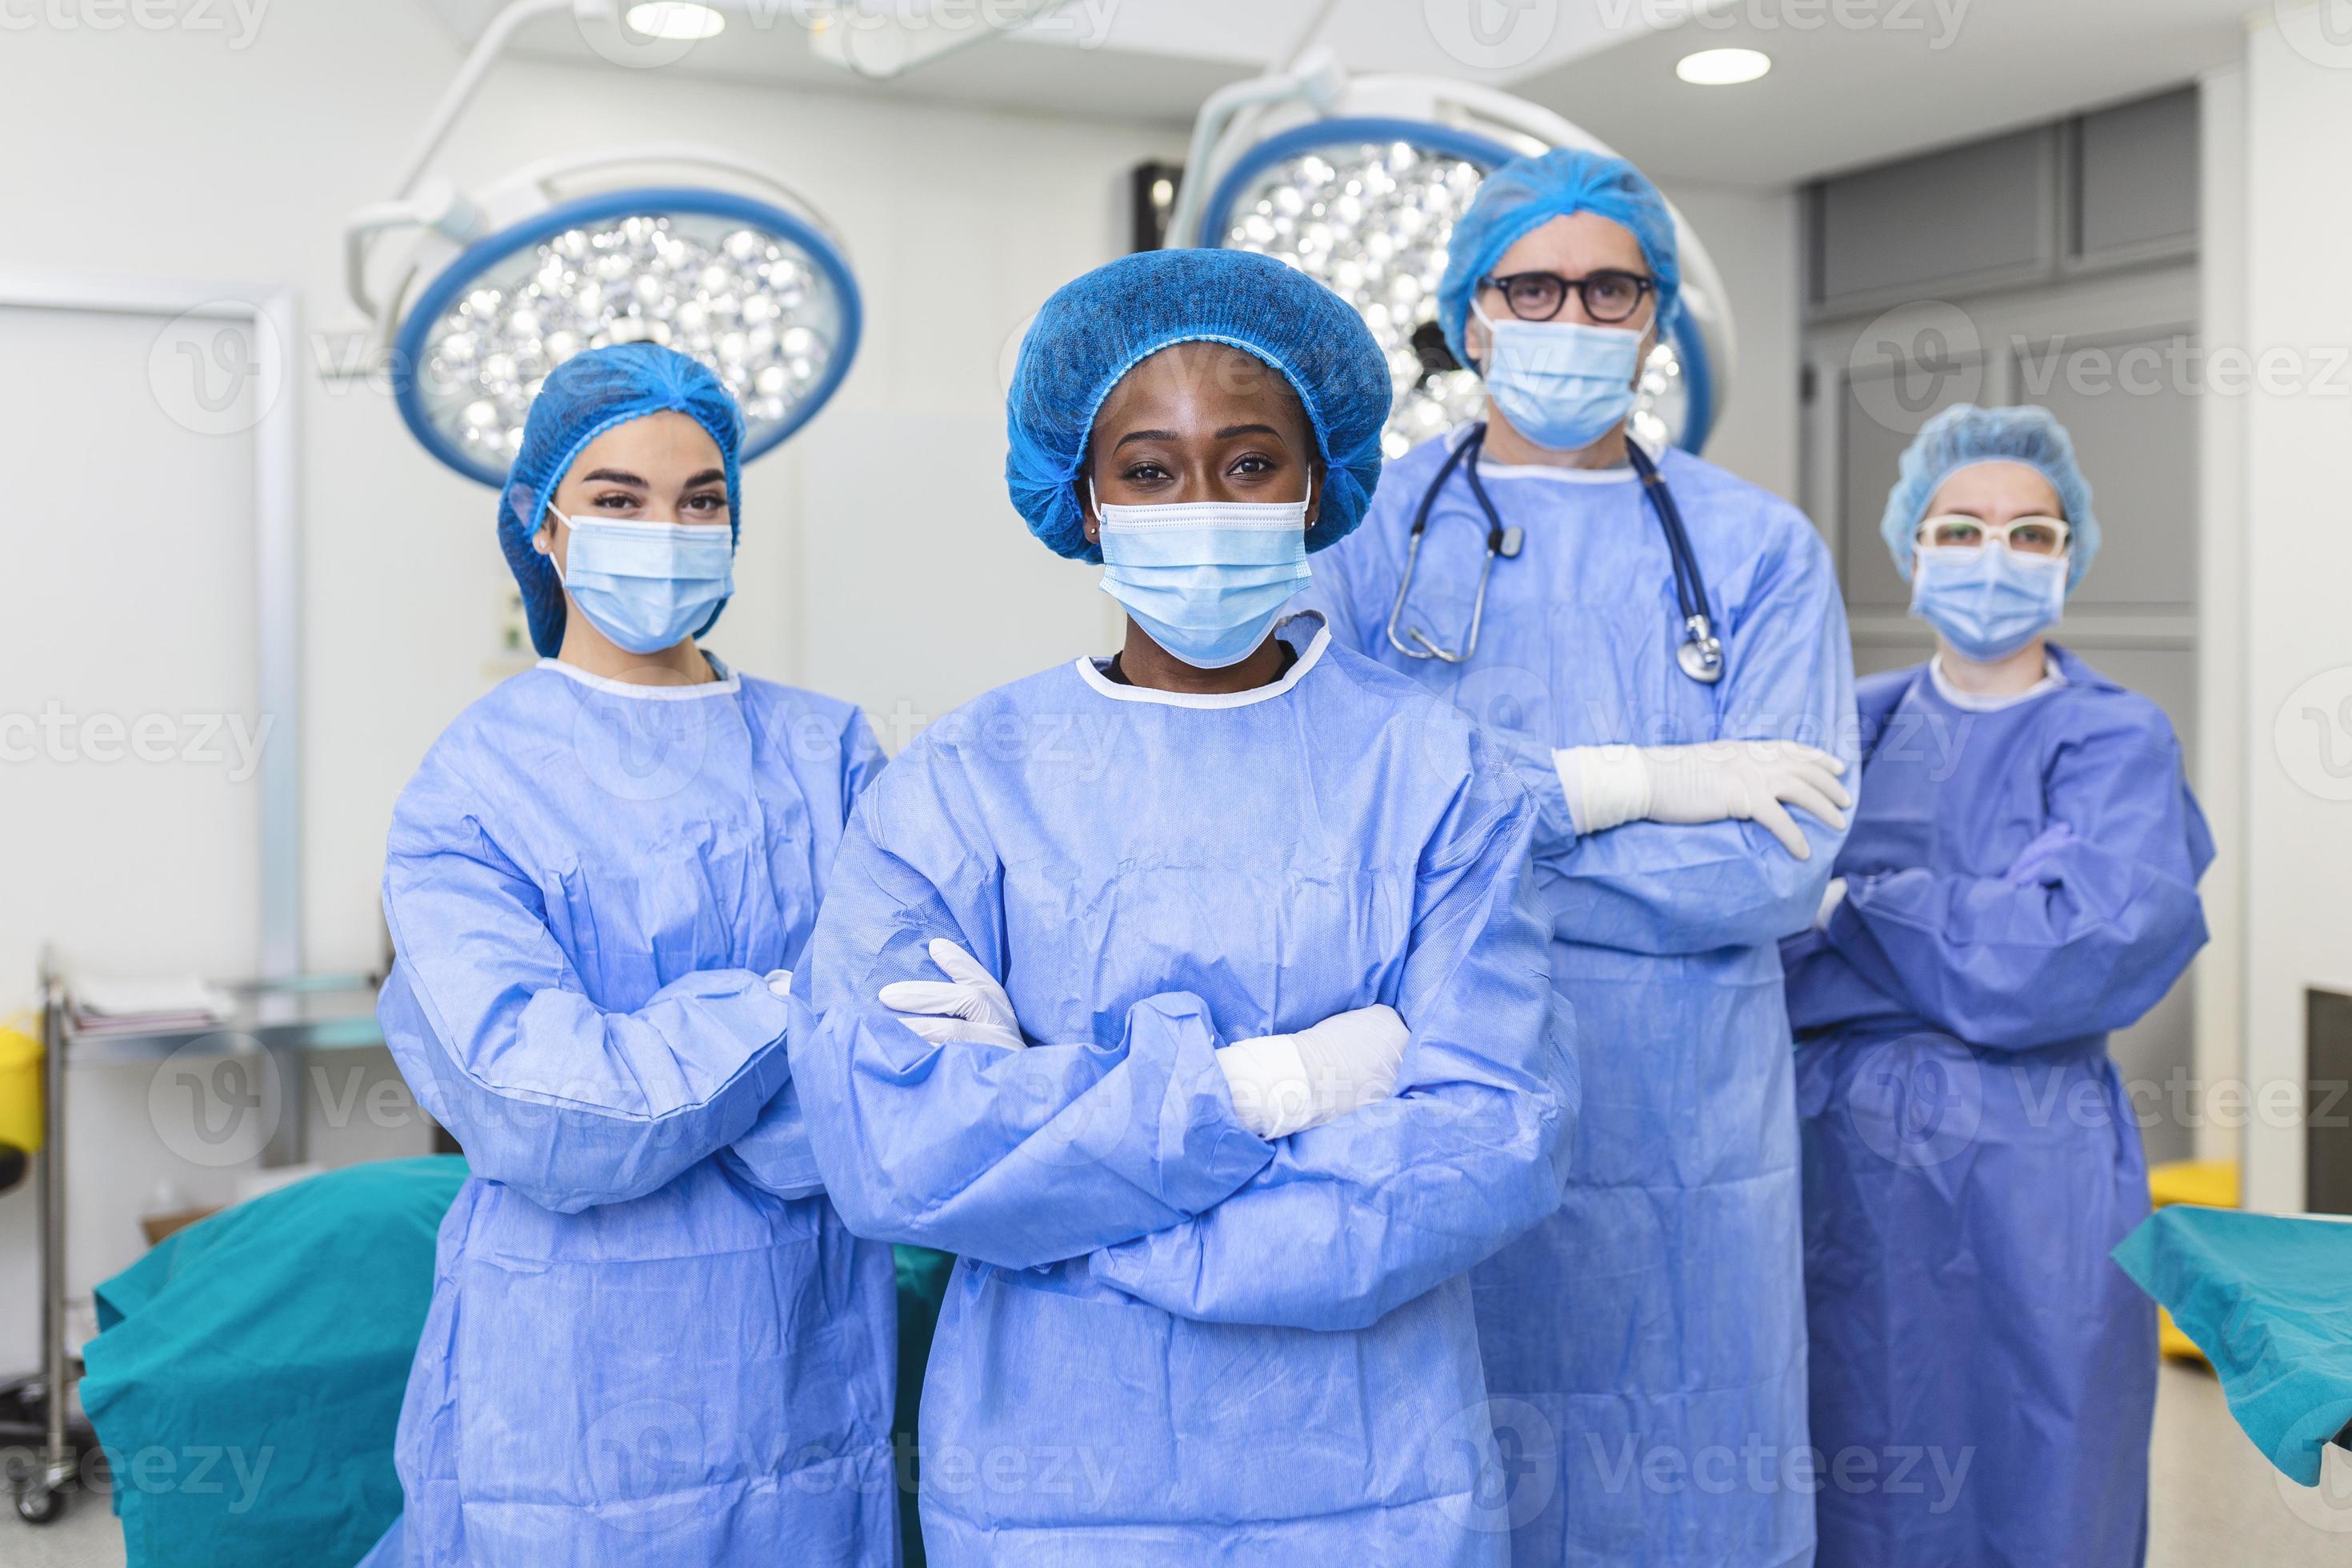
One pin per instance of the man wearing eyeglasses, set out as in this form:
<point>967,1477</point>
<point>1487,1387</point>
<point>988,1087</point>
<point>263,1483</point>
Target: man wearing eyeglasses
<point>1662,648</point>
<point>2020,880</point>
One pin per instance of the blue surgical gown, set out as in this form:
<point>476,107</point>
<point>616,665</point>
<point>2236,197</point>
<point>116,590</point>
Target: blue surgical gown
<point>639,1351</point>
<point>1166,1340</point>
<point>2017,883</point>
<point>1645,1346</point>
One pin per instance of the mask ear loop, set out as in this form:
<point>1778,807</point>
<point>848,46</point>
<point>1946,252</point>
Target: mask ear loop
<point>1485,320</point>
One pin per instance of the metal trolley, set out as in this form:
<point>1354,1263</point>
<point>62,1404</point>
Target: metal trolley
<point>282,1019</point>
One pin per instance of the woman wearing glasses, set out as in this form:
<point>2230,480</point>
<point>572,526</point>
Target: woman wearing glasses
<point>2022,879</point>
<point>1660,648</point>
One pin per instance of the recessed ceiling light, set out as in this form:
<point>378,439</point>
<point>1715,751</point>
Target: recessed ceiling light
<point>1723,67</point>
<point>677,19</point>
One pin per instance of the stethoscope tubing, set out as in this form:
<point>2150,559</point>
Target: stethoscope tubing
<point>1701,656</point>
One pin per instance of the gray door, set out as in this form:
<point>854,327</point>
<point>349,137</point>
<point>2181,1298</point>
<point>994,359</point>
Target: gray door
<point>2071,284</point>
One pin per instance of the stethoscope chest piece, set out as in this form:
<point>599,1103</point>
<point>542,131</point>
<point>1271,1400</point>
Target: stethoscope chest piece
<point>1701,658</point>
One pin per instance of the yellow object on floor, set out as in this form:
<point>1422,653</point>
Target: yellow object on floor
<point>20,1084</point>
<point>2209,1183</point>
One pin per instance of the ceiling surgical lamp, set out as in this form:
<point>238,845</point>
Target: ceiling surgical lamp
<point>1358,182</point>
<point>671,243</point>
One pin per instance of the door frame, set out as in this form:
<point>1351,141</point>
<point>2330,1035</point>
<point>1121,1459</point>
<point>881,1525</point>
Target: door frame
<point>271,314</point>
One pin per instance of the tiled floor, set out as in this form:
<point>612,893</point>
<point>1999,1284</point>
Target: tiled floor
<point>2215,1502</point>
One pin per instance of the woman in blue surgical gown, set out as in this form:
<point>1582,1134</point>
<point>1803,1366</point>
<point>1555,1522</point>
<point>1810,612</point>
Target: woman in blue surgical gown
<point>637,1352</point>
<point>2020,880</point>
<point>1645,1345</point>
<point>1245,1051</point>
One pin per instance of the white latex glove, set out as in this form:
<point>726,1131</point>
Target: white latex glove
<point>1831,897</point>
<point>969,1005</point>
<point>1283,1084</point>
<point>780,982</point>
<point>1715,781</point>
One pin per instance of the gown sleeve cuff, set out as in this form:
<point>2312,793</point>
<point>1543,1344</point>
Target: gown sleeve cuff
<point>1200,1152</point>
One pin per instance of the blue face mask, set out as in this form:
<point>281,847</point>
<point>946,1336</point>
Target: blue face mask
<point>647,584</point>
<point>1561,384</point>
<point>1205,579</point>
<point>1987,600</point>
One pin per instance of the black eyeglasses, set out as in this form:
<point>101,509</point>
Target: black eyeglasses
<point>1609,296</point>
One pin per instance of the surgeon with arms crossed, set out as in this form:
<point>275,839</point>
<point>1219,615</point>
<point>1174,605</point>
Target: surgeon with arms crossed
<point>2022,879</point>
<point>1683,716</point>
<point>1197,996</point>
<point>637,1352</point>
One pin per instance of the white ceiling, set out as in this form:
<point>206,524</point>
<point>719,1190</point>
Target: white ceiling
<point>1853,81</point>
<point>1838,98</point>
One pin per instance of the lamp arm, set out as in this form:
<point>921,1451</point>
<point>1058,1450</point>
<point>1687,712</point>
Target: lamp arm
<point>469,80</point>
<point>1318,77</point>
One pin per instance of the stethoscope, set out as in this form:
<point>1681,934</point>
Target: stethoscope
<point>1701,653</point>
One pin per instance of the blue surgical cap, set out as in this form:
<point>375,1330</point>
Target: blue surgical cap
<point>1099,326</point>
<point>584,397</point>
<point>1527,193</point>
<point>1963,435</point>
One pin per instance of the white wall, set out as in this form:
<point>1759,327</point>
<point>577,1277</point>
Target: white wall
<point>880,561</point>
<point>1752,238</point>
<point>2298,545</point>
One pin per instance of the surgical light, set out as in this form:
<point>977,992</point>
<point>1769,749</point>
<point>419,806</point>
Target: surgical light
<point>1358,184</point>
<point>675,19</point>
<point>1723,67</point>
<point>745,287</point>
<point>495,289</point>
